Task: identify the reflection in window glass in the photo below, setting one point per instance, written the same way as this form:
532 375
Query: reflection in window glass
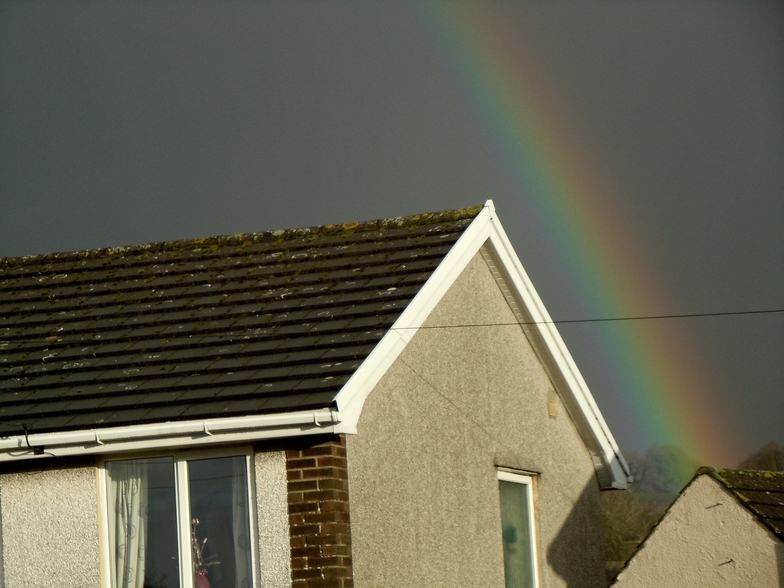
219 512
143 521
517 535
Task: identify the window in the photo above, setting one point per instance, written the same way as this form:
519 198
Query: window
178 521
519 530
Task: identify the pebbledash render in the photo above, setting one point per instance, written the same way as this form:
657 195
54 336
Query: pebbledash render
381 403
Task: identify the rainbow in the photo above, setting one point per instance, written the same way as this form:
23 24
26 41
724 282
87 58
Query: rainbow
490 76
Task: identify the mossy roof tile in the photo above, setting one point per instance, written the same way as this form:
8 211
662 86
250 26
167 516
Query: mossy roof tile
761 492
265 322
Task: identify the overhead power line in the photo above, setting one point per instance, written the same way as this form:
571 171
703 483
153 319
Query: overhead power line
664 316
610 319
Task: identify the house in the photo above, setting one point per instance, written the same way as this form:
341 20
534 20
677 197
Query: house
382 403
725 529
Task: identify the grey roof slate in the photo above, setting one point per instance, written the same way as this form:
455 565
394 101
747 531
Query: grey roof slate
760 492
224 326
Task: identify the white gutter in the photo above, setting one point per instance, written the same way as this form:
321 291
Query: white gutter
182 434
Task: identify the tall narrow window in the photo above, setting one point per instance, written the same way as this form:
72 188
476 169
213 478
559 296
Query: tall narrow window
518 530
179 522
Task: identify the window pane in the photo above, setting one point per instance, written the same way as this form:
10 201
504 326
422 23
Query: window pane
142 523
516 524
219 502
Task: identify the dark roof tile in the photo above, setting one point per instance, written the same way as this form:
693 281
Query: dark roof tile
760 492
163 413
49 423
159 383
133 415
248 324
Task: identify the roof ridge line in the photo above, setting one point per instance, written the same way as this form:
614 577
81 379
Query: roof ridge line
429 218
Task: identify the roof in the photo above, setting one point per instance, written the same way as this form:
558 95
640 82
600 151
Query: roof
760 492
236 339
248 324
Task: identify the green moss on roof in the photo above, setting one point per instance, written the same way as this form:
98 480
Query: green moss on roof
239 322
761 492
271 238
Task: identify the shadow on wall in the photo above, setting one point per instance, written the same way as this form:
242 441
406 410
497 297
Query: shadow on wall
577 552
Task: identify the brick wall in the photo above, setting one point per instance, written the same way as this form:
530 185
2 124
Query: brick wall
319 514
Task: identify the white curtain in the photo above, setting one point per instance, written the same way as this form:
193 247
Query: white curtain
240 524
128 521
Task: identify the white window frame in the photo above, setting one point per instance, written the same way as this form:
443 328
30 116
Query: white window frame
527 480
180 459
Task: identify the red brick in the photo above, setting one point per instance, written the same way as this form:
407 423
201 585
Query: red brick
332 460
302 507
326 517
318 473
319 515
296 497
325 561
319 540
305 552
303 530
335 572
298 464
336 550
320 451
303 485
334 529
305 573
332 484
319 495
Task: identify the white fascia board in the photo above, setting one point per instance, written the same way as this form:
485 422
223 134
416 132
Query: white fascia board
180 434
486 235
351 397
555 357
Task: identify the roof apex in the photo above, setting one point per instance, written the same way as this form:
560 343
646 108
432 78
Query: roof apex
487 237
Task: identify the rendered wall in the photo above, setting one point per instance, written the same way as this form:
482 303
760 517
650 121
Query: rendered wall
706 539
457 403
273 519
50 528
49 524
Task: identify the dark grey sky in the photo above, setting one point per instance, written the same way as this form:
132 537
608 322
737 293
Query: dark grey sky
134 122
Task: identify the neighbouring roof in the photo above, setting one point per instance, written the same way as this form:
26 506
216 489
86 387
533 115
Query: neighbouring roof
226 326
760 492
